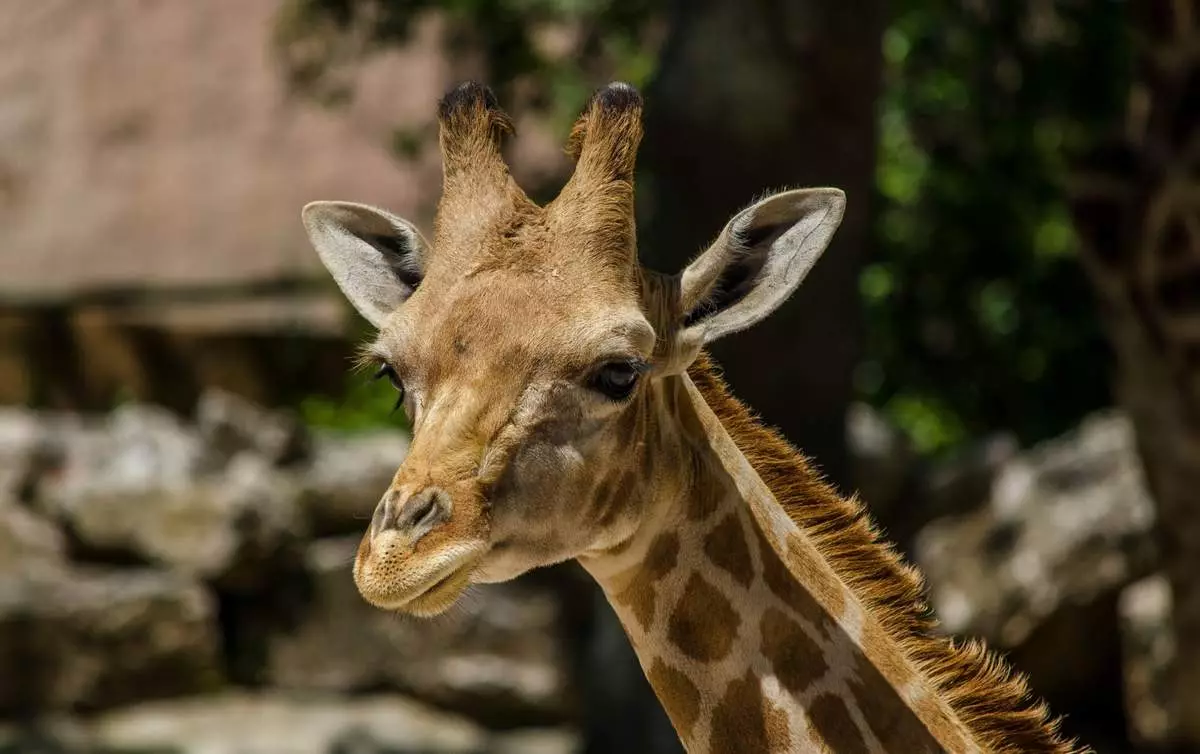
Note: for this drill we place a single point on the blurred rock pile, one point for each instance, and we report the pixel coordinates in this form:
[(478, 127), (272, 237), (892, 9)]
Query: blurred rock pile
[(1049, 555), (196, 575), (174, 585)]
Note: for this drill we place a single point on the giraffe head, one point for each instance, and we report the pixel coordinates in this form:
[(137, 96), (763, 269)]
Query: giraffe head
[(525, 342)]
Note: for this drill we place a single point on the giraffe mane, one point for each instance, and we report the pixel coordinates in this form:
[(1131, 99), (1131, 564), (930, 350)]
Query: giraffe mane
[(992, 700)]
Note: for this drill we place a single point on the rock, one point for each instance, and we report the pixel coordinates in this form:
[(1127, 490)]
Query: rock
[(56, 734), (346, 476), (904, 492), (883, 459), (1148, 651), (86, 639), (1038, 570), (963, 482), (498, 658), (29, 543), (536, 741), (1066, 522), (27, 451), (230, 424), (275, 723), (144, 486)]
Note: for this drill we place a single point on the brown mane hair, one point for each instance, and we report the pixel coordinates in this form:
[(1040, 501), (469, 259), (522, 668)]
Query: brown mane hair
[(991, 700)]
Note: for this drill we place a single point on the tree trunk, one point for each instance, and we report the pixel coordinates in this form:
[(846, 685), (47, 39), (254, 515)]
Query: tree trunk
[(755, 96), (1136, 202)]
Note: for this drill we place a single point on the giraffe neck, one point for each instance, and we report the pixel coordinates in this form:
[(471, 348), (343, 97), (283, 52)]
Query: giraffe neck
[(746, 633)]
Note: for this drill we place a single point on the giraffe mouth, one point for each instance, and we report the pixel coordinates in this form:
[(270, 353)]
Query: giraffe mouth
[(440, 595), (380, 575), (440, 592)]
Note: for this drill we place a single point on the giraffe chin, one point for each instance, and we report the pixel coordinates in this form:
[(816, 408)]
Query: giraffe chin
[(440, 597)]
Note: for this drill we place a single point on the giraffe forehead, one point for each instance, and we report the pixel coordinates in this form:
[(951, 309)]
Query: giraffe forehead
[(494, 316)]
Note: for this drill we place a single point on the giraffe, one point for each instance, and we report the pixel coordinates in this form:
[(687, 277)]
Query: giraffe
[(1134, 201), (563, 407)]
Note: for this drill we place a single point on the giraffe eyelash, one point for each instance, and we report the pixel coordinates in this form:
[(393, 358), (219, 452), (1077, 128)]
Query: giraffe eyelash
[(387, 371)]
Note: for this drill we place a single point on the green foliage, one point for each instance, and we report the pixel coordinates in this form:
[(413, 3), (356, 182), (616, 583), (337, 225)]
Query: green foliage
[(364, 404), (407, 143), (978, 314)]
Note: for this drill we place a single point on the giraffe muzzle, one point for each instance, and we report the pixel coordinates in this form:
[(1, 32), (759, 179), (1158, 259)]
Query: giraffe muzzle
[(414, 516)]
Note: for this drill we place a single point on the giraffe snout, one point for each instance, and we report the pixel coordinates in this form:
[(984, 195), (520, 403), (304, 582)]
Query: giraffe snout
[(411, 515)]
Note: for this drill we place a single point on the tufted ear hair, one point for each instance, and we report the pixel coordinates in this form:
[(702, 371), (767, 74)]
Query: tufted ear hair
[(376, 258), (757, 261)]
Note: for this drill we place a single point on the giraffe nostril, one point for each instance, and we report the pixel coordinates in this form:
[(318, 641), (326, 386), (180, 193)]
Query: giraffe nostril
[(416, 516), (424, 511), (385, 513)]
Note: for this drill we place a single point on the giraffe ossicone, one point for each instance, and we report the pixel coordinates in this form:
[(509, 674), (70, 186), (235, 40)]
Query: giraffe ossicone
[(563, 407)]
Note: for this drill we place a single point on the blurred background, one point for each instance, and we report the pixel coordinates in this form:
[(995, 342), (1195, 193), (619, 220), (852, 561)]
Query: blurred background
[(1001, 349)]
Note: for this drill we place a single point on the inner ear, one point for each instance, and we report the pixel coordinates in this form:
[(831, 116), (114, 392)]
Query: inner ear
[(759, 258), (739, 277), (376, 258), (398, 252)]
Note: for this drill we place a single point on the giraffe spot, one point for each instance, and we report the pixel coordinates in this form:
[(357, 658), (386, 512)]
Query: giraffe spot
[(820, 582), (744, 720), (705, 501), (796, 659), (789, 591), (610, 496), (831, 724), (891, 719), (726, 546), (639, 595), (679, 696), (878, 645), (703, 624), (888, 713), (663, 555)]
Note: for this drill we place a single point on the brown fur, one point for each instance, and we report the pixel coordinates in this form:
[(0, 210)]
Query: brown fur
[(703, 625), (597, 202), (472, 125), (677, 692), (796, 659), (640, 595), (745, 720), (727, 548), (991, 700), (831, 722)]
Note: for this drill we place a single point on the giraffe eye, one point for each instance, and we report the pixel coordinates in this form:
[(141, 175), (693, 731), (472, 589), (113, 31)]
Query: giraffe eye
[(617, 379), (387, 371)]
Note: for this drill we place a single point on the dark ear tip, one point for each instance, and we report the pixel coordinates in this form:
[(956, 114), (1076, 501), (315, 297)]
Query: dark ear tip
[(466, 95), (617, 96)]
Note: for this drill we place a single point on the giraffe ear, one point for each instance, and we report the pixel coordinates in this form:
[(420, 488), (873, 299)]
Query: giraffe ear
[(376, 258), (757, 262)]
